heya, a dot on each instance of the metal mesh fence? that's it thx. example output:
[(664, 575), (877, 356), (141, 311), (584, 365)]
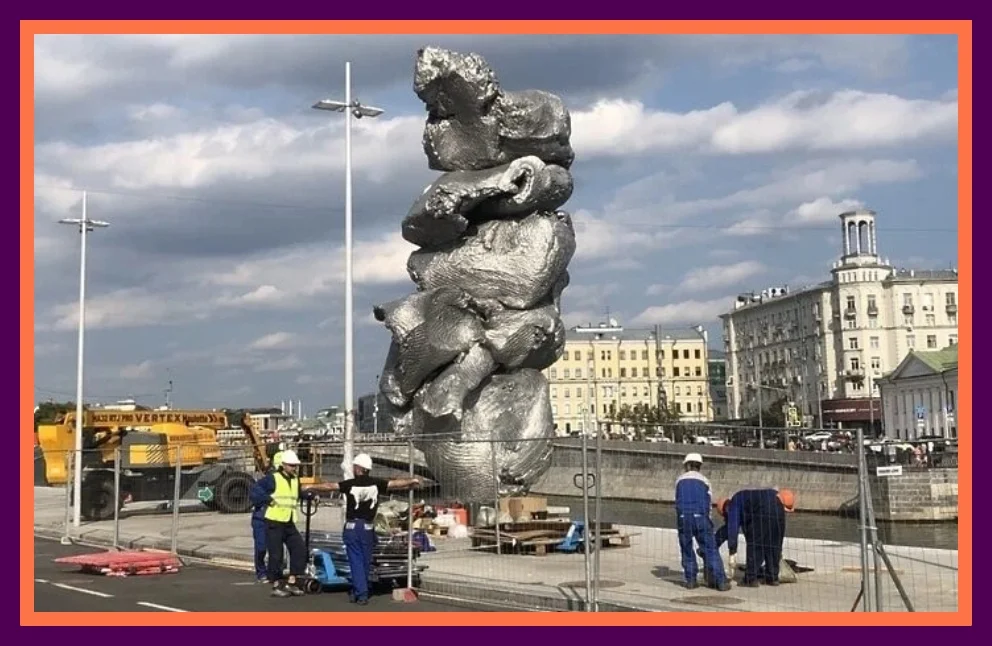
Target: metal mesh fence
[(476, 531)]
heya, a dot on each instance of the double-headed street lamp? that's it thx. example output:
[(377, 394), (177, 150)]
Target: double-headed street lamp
[(350, 108), (85, 226)]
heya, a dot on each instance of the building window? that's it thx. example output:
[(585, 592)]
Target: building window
[(602, 355), (872, 305), (633, 372), (578, 373), (678, 391), (609, 373), (568, 409), (554, 373), (603, 372), (953, 339), (952, 319), (675, 371), (907, 300), (567, 373), (644, 355), (950, 298), (554, 393), (931, 320), (678, 407), (699, 391), (688, 407), (852, 324), (873, 322), (931, 341), (876, 363), (907, 320), (609, 355), (851, 303), (685, 354), (855, 364), (623, 393), (853, 343), (578, 393), (910, 341), (623, 355), (873, 342), (592, 393), (590, 356), (699, 371), (623, 373), (698, 354), (568, 393)]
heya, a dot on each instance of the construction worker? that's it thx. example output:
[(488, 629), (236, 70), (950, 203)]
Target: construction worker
[(280, 492), (692, 504), (760, 515), (259, 505), (361, 493)]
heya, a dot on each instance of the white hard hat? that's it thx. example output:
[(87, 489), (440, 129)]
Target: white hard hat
[(290, 458), (692, 457), (363, 460)]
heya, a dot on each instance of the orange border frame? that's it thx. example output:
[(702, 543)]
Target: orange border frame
[(961, 28)]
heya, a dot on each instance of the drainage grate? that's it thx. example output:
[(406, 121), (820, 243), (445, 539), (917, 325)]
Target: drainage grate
[(582, 584), (710, 600)]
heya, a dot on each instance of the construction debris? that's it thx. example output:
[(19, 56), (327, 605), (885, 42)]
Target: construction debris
[(540, 538), (124, 563)]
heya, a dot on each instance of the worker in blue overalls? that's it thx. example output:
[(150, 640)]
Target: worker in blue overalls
[(760, 515), (361, 493), (258, 525), (693, 500)]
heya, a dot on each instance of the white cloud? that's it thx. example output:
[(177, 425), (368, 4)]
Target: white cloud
[(273, 341), (657, 289), (141, 370), (291, 362), (821, 211), (719, 276), (802, 120), (685, 312)]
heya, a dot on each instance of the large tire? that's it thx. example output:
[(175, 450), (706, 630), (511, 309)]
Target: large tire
[(231, 493), (97, 500)]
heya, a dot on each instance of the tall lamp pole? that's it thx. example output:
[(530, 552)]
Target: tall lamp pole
[(350, 108), (85, 225)]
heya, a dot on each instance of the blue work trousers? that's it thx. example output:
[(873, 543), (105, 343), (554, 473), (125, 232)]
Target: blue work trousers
[(258, 534), (359, 543), (699, 527)]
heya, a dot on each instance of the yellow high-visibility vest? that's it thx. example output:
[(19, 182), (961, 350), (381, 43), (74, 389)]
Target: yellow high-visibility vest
[(285, 498)]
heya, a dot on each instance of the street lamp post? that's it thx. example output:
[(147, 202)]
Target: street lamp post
[(350, 108), (704, 335), (85, 225)]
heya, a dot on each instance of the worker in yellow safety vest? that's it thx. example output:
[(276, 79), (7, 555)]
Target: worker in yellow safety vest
[(280, 492)]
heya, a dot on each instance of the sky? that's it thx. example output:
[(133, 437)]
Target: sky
[(706, 166)]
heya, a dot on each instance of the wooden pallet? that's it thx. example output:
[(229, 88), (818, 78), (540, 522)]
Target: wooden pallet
[(539, 539)]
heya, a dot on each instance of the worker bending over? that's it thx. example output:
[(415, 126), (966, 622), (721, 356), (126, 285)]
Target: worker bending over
[(280, 492), (361, 493), (760, 515), (693, 502)]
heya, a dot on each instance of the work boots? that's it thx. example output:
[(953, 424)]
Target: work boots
[(284, 590)]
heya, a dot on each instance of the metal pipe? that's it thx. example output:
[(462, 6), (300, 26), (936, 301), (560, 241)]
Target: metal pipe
[(349, 395), (585, 513), (873, 529), (863, 520), (599, 500), (409, 529), (66, 538), (77, 474), (895, 577), (117, 498), (499, 542), (176, 493)]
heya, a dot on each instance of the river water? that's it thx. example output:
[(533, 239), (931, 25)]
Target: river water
[(800, 525)]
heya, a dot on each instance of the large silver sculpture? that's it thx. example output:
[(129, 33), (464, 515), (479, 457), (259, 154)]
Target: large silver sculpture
[(468, 347)]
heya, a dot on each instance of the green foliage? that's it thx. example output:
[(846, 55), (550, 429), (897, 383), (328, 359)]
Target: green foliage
[(644, 418), (48, 412)]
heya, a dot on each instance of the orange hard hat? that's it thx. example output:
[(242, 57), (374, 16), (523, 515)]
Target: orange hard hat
[(788, 499), (721, 506)]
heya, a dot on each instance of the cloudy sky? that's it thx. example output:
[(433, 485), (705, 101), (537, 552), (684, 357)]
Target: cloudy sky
[(706, 166)]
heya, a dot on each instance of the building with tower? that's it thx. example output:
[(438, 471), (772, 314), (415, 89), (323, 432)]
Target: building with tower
[(824, 347)]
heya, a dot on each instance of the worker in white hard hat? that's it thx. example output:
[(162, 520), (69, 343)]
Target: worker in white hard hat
[(693, 500), (280, 492), (361, 493)]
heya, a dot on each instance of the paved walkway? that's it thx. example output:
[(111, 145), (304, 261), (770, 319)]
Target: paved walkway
[(645, 576)]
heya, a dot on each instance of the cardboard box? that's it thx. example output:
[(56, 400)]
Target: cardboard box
[(524, 506)]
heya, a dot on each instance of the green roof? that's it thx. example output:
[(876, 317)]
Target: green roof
[(940, 360)]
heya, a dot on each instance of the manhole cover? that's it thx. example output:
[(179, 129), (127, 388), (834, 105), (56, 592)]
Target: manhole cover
[(582, 584), (710, 600)]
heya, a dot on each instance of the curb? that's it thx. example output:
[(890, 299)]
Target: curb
[(487, 592)]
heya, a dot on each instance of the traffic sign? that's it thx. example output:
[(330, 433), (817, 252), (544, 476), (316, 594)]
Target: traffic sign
[(888, 472), (205, 494)]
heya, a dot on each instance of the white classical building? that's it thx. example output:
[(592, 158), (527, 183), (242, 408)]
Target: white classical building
[(919, 397), (825, 346)]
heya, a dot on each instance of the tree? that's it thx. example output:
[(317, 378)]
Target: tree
[(49, 411)]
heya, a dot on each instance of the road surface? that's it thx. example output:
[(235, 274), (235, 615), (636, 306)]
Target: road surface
[(195, 588)]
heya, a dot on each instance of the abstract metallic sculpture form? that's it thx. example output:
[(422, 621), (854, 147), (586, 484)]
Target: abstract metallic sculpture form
[(468, 347)]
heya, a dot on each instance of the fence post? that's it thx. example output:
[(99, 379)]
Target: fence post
[(492, 453), (875, 542), (117, 498), (409, 522), (66, 539), (177, 492), (863, 523), (585, 514)]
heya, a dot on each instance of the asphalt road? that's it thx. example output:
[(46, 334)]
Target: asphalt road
[(195, 588)]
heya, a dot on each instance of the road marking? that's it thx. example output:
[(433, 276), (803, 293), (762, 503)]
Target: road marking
[(41, 580), (160, 607), (65, 586)]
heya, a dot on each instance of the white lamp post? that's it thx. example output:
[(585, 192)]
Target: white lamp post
[(350, 108), (85, 225)]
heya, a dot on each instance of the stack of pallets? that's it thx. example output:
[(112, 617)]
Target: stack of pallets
[(540, 538), (124, 563)]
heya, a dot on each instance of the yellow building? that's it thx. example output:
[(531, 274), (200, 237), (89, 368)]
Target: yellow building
[(607, 366)]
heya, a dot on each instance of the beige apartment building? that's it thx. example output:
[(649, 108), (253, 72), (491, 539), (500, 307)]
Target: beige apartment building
[(607, 366), (825, 346)]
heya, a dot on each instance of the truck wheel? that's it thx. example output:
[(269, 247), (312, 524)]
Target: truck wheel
[(97, 500), (231, 493)]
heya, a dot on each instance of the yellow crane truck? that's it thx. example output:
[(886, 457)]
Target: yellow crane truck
[(150, 442)]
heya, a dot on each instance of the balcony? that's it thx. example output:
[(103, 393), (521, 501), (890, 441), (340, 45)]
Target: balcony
[(908, 310), (872, 310), (951, 308), (850, 313)]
